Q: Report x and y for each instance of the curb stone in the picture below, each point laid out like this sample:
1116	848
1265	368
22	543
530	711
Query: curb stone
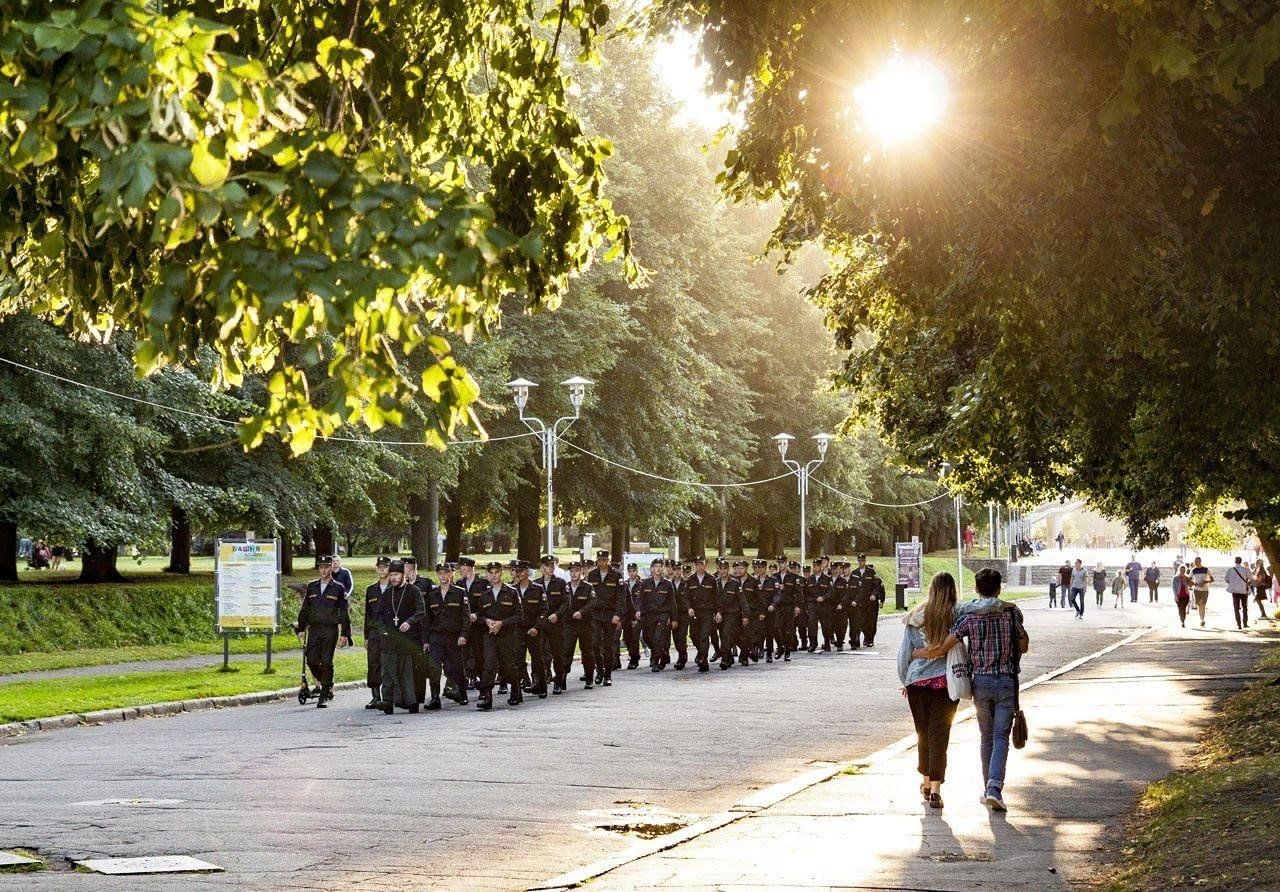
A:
151	710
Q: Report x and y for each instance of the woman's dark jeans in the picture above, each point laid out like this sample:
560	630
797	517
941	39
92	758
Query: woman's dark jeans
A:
933	711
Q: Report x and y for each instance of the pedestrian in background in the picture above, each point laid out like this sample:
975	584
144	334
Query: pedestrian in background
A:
1117	589
924	683
1133	571
1261	586
1239	581
1152	577
1079	577
1099	581
997	640
1200	579
1182	593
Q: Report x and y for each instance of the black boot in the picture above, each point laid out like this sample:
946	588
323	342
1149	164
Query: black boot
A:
388	707
433	704
485	702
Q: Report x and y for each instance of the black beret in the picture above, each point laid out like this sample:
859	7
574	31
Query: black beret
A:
397	566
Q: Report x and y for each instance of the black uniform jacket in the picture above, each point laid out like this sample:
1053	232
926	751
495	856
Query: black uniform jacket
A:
657	598
449	611
504	607
731	598
327	608
701	594
610	594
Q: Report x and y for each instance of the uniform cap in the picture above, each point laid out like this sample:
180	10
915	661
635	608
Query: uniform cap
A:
700	559
756	562
494	565
576	565
632	566
382	561
773	566
688	568
444	568
862	556
325	560
466	562
795	564
411	560
722	562
737	564
397	566
808	569
602	555
546	559
656	562
780	558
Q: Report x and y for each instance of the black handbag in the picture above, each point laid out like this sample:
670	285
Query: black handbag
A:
1019	734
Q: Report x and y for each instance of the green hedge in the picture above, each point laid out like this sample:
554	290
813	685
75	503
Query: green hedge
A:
66	616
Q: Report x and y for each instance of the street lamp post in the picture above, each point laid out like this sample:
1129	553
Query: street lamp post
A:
942	475
802	473
549	436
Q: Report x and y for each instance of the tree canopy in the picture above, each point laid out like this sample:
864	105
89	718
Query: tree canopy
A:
1067	286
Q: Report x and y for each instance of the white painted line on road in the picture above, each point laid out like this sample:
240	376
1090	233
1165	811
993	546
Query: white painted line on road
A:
778	792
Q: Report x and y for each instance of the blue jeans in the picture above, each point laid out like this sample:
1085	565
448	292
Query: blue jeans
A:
993	699
1133	590
1077	600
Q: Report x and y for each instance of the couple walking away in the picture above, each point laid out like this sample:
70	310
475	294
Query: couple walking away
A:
949	652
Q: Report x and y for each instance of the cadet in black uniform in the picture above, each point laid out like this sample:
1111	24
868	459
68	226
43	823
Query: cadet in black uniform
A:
732	615
785	608
676	573
700	596
657	604
872	595
533	608
856	601
373	633
606	616
474	585
757	609
841	594
324	622
449	612
581	601
498	609
803	600
424	668
553	625
400	609
630	618
824	606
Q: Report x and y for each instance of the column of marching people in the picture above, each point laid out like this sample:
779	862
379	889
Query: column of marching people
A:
519	630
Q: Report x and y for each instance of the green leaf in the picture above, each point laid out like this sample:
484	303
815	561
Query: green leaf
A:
207	166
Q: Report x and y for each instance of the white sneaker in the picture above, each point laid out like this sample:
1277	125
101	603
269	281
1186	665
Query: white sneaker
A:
994	802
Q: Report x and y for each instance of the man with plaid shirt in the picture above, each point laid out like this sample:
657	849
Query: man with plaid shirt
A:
997	639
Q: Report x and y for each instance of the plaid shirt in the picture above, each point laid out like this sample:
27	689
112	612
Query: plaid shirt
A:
992	630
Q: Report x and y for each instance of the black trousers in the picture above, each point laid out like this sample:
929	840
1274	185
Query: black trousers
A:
397	670
756	634
932	710
447	654
555	657
700	628
802	626
321	641
373	662
853	612
839	623
475	649
871	618
424	669
578	633
631	637
681	636
657	629
731	635
1240	607
606	639
499	661
784	624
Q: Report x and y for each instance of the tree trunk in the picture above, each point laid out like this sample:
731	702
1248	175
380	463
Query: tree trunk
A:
453	529
433	524
697	537
420	531
98	563
618	540
179	541
686	548
764	542
286	553
1271	547
8	551
735	540
352	539
528	511
324	541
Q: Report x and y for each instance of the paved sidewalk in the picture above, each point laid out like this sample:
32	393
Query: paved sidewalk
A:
279	659
1098	736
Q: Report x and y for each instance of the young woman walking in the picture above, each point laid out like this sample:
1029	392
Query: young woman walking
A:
924	683
1099	581
1118	583
1182	593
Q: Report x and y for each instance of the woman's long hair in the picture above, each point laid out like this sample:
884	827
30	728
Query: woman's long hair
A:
939	608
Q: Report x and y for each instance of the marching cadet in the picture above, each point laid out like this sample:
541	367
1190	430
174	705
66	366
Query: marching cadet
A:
400	609
732	616
498	608
554	656
373	632
580	600
324	622
871	596
676	574
824	606
803	601
854	609
475	586
700	596
840	594
606	615
784	607
449	612
533	606
657	604
757	609
631	617
423	666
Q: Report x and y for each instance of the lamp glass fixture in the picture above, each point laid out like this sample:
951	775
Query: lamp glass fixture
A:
783	441
823	441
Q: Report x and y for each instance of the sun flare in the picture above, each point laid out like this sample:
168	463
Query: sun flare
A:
905	97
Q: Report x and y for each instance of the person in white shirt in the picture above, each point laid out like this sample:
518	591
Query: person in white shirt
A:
1238	587
1200	579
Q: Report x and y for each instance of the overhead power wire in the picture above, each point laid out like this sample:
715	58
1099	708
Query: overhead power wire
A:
620	465
872	504
207	417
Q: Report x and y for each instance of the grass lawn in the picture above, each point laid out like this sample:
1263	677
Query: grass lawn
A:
107	656
37	699
1214	826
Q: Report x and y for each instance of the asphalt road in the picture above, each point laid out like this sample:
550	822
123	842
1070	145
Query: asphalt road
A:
289	797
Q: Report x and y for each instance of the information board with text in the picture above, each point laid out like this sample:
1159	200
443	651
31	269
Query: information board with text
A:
248	585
